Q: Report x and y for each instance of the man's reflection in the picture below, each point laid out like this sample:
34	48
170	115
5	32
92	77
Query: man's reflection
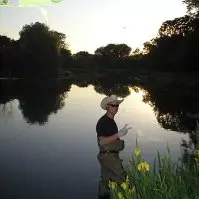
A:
110	144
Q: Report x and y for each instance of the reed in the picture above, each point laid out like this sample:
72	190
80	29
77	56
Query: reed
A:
164	179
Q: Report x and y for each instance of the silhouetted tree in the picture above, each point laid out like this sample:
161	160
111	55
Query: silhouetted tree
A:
114	51
175	47
65	58
81	54
5	41
41	48
83	60
137	54
5	55
179	26
192	5
149	46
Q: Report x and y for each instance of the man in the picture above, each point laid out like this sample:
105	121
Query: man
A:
109	145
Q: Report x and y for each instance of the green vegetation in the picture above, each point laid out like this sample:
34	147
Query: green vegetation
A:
164	180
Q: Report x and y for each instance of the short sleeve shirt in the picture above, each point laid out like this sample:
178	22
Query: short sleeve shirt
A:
106	126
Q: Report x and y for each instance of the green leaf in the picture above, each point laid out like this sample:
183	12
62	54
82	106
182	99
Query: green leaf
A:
4	2
24	3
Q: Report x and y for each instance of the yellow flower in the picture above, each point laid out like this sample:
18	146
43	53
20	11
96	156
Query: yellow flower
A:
137	151
143	166
147	166
112	185
120	195
124	185
127	179
140	166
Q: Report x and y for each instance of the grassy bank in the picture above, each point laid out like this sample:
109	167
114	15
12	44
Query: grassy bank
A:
164	180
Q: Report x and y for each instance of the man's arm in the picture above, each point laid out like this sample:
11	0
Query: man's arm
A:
109	139
114	137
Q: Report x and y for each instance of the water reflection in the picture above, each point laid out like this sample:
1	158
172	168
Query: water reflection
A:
53	159
37	100
171	108
108	88
45	102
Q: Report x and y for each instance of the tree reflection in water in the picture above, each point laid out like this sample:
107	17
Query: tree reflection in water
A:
37	100
171	108
170	102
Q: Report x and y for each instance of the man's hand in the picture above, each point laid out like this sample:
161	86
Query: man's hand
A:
123	131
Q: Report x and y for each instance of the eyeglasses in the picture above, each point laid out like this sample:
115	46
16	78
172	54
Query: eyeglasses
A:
114	105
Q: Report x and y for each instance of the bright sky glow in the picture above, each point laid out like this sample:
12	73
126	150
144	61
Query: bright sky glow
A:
90	24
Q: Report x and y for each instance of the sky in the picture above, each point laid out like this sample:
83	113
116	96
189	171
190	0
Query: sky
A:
90	24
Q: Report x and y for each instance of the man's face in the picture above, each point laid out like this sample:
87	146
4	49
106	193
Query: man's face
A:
112	108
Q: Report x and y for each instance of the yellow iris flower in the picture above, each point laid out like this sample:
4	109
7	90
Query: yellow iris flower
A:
124	185
143	166
137	152
112	185
127	179
120	196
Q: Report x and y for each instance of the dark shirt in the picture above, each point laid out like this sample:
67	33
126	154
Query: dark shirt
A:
106	126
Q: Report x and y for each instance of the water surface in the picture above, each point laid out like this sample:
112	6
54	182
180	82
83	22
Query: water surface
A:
53	153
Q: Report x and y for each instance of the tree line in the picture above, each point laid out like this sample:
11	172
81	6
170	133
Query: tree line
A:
44	53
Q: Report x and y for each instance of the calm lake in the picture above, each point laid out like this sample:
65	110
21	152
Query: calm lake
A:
48	146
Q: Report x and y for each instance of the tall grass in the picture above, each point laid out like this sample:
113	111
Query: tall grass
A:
164	180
